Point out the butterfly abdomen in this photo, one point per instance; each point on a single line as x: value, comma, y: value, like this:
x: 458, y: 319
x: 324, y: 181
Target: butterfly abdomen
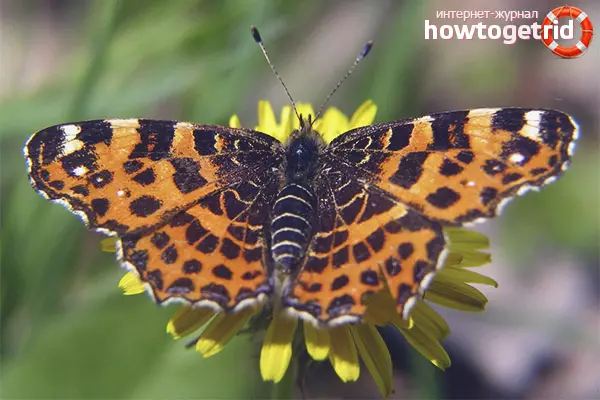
x: 292, y: 223
x: 294, y: 208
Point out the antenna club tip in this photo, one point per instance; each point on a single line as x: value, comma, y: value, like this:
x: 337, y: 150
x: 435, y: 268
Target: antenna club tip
x: 255, y: 34
x: 366, y: 49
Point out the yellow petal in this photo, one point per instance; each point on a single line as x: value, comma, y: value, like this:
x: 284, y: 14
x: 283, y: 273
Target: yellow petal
x: 452, y: 259
x: 109, y: 245
x: 375, y: 355
x: 364, y: 115
x: 458, y: 274
x: 276, y: 351
x: 234, y: 122
x: 187, y: 319
x: 381, y: 310
x: 466, y: 239
x: 130, y: 284
x: 286, y: 125
x: 428, y: 346
x: 457, y: 296
x: 472, y: 259
x: 221, y: 329
x: 343, y: 355
x: 266, y: 118
x: 429, y: 320
x: 317, y: 341
x: 331, y: 124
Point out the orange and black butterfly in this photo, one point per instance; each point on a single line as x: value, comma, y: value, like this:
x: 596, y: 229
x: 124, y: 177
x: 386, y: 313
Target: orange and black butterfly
x: 218, y: 217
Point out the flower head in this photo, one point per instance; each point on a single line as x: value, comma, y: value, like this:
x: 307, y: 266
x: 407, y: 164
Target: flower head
x: 342, y: 345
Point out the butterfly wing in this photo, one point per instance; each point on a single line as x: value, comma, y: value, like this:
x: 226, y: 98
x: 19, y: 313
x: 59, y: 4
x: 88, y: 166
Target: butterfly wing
x: 364, y: 241
x: 460, y: 166
x: 125, y: 176
x: 189, y: 202
x: 385, y: 190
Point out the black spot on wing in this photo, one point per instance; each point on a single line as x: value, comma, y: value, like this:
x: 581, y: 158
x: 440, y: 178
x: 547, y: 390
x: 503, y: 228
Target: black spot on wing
x: 94, y: 132
x: 58, y: 185
x: 340, y: 305
x: 553, y: 126
x: 223, y: 272
x: 448, y: 131
x: 181, y: 286
x: 450, y: 168
x: 465, y: 156
x: 393, y: 266
x: 194, y: 232
x: 156, y: 138
x: 100, y: 206
x: 192, y: 266
x: 405, y: 250
x: 160, y: 239
x: 144, y: 206
x: 369, y: 278
x: 170, y: 254
x: 229, y: 249
x: 409, y: 170
x: 400, y: 137
x: 204, y: 141
x: 101, y: 179
x: 443, y: 197
x: 187, y: 175
x: 509, y: 119
x: 208, y: 244
x: 488, y: 194
x: 155, y: 279
x: 340, y: 282
x: 146, y: 177
x: 132, y: 166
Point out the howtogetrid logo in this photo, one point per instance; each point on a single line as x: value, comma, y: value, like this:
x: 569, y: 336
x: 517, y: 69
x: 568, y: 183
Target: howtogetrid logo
x: 547, y: 32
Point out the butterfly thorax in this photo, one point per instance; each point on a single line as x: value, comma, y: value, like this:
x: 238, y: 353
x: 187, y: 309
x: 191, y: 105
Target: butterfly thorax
x: 293, y: 212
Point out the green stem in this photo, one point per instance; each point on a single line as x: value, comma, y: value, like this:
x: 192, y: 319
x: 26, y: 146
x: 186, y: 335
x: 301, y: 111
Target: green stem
x: 104, y: 23
x: 285, y: 388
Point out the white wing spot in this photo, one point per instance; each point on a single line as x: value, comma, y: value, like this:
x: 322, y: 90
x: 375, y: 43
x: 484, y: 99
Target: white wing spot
x: 517, y: 158
x: 524, y: 189
x: 502, y: 204
x: 531, y: 129
x: 70, y: 131
x: 80, y: 170
x: 571, y: 148
x: 70, y: 142
x: 482, y: 112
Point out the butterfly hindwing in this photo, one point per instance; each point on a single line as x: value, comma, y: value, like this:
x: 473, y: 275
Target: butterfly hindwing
x: 128, y: 175
x: 364, y: 241
x: 460, y: 166
x: 213, y: 252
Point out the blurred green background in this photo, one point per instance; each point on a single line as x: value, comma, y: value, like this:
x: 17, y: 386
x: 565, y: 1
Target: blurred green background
x: 66, y: 330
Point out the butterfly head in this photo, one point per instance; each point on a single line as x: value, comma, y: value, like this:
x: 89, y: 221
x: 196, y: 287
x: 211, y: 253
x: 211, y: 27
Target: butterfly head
x: 302, y: 151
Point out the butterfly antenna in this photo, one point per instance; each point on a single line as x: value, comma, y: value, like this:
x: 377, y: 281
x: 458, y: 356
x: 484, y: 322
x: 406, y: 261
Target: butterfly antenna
x: 360, y: 57
x: 258, y: 40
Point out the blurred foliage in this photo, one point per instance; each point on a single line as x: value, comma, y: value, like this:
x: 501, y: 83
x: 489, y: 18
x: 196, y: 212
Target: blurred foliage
x: 66, y: 332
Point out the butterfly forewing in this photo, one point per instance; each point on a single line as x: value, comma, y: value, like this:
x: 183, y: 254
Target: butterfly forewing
x: 460, y: 166
x: 129, y: 175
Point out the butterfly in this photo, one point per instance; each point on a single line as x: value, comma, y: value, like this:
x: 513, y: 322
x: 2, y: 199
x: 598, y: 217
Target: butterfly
x: 226, y: 218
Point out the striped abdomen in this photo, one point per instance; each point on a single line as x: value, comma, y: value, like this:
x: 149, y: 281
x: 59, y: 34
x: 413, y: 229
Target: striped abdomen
x: 291, y: 224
